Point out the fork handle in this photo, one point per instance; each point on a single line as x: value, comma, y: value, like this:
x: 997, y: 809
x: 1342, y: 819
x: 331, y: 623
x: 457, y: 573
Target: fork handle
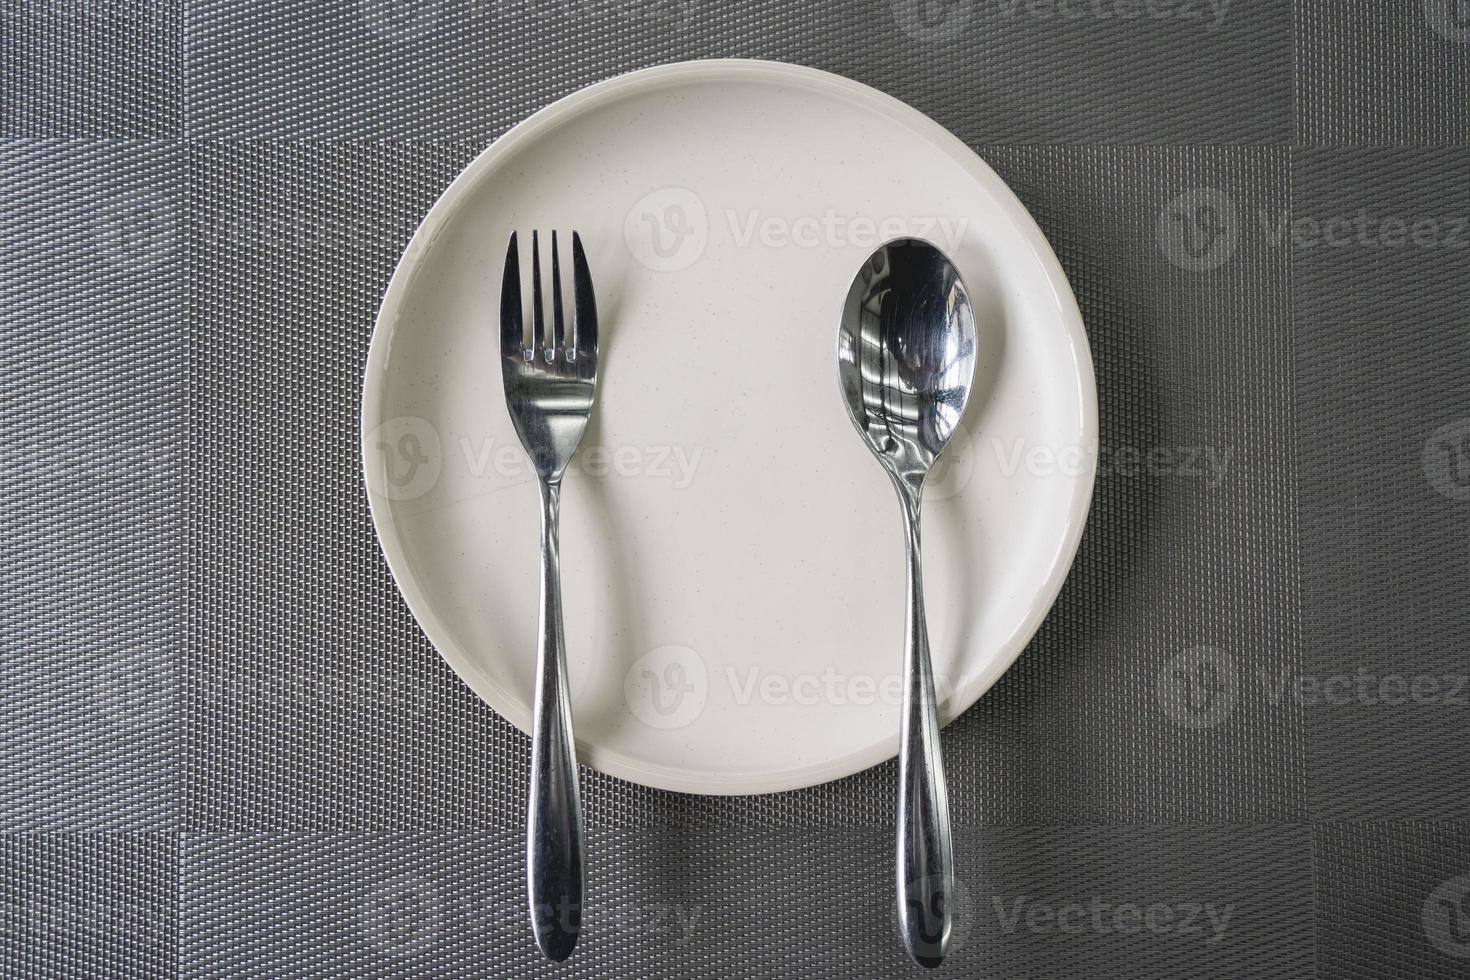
x: 925, y: 858
x: 554, y: 846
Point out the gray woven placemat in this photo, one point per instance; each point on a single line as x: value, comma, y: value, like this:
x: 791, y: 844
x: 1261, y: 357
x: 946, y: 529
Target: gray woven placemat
x: 1236, y: 748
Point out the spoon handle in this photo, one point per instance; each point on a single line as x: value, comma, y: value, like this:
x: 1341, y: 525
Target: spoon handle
x: 554, y: 847
x: 925, y: 858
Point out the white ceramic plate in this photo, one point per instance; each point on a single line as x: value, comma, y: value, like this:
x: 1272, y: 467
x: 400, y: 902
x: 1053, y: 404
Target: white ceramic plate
x: 732, y: 557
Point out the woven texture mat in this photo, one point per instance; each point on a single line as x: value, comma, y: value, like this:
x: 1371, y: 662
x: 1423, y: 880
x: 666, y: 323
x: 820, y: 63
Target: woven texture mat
x: 1237, y: 747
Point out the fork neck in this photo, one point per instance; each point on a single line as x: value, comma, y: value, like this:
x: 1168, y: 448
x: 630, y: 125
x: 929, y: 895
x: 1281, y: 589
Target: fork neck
x: 550, y: 502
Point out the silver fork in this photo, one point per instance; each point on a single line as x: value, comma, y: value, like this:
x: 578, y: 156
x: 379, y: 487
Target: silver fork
x: 550, y: 386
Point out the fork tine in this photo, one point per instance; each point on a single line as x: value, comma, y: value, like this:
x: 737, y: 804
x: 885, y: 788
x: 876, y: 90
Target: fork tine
x: 586, y: 310
x: 511, y: 330
x: 538, y: 320
x: 558, y: 322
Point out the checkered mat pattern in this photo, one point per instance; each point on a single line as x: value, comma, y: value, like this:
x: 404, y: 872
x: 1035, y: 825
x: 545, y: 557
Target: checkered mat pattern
x: 1237, y: 747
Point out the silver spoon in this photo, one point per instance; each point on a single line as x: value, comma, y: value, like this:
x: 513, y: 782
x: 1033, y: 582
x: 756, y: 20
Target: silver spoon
x: 906, y: 359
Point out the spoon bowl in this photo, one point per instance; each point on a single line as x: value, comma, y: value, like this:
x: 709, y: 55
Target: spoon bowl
x: 906, y: 354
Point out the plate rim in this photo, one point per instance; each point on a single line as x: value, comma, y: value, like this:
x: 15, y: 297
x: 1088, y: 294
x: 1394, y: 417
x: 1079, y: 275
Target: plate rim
x: 487, y: 688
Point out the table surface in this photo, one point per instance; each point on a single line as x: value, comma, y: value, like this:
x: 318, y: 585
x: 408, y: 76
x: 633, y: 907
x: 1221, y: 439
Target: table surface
x: 1236, y: 748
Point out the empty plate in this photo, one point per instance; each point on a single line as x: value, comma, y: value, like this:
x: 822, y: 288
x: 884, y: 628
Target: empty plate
x: 734, y: 601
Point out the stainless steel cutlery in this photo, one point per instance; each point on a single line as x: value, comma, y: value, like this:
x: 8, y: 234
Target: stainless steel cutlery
x: 550, y: 375
x: 906, y: 361
x: 906, y: 357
